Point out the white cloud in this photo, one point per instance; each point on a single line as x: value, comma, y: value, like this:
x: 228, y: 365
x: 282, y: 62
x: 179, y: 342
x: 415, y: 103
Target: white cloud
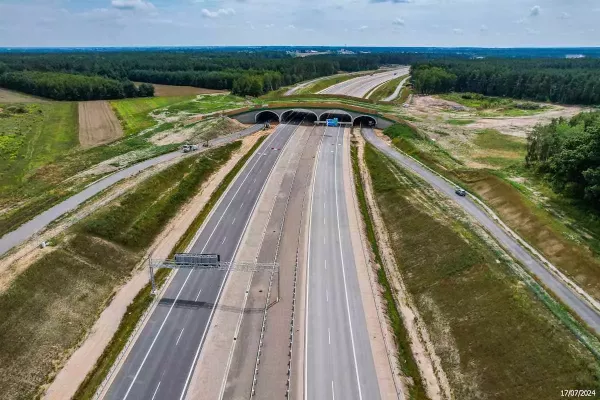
x: 362, y: 28
x: 132, y: 5
x: 398, y: 22
x: 290, y: 26
x: 216, y: 14
x: 457, y: 31
x: 565, y: 15
x: 531, y: 31
x: 483, y: 28
x: 535, y: 11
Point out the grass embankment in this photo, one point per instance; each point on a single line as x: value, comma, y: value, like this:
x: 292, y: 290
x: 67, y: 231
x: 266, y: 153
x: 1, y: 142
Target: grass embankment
x: 48, y: 309
x: 387, y: 89
x: 207, y: 104
x: 404, y: 356
x: 494, y: 337
x: 134, y: 114
x: 565, y: 232
x: 488, y: 106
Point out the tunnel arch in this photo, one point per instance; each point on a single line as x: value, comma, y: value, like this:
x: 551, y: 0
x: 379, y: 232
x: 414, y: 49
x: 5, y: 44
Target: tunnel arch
x: 365, y: 120
x: 310, y: 116
x: 266, y: 116
x: 341, y: 115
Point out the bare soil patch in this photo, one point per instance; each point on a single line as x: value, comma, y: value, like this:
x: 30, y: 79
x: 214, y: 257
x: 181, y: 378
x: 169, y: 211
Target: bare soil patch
x: 97, y: 124
x: 9, y: 96
x: 171, y: 90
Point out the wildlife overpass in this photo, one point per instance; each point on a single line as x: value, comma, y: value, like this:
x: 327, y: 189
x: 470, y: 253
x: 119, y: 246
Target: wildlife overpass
x: 311, y: 115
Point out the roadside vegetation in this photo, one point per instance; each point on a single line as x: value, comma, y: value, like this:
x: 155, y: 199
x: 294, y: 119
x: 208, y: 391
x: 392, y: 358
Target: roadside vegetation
x: 42, y: 321
x: 134, y: 114
x: 487, y: 106
x: 387, y: 89
x: 491, y: 165
x: 404, y: 357
x: 465, y: 288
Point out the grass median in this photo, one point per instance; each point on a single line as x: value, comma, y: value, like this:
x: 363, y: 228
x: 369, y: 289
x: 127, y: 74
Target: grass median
x: 404, y: 356
x: 47, y: 310
x: 494, y: 336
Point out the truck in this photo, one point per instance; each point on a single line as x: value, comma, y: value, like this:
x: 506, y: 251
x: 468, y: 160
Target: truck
x: 186, y: 148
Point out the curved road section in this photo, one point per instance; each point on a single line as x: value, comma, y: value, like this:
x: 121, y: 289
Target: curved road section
x: 582, y: 308
x: 160, y: 363
x: 338, y: 359
x: 361, y: 86
x: 35, y: 225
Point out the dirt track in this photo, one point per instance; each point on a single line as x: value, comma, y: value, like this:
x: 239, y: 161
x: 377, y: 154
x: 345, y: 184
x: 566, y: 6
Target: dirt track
x: 97, y: 124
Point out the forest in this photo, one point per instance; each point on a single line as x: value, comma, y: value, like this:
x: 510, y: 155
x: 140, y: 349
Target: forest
x: 59, y: 86
x: 566, y: 81
x: 245, y: 73
x: 567, y: 152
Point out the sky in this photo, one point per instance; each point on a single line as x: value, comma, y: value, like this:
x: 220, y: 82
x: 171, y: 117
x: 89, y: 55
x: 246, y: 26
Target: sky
x: 443, y: 23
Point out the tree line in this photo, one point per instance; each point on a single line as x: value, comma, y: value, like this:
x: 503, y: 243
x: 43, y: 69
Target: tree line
x: 555, y: 80
x: 245, y: 73
x: 71, y: 87
x: 567, y: 152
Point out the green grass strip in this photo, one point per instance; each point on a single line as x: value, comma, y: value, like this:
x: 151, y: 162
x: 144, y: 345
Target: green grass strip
x: 405, y: 357
x: 185, y: 240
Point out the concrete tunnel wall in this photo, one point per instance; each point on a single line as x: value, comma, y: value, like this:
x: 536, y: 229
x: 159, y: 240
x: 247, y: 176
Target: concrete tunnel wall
x: 250, y: 117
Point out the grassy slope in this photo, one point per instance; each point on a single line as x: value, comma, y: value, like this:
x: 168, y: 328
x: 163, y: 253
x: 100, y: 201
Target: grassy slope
x: 208, y: 104
x: 49, y: 307
x: 387, y: 89
x: 495, y: 106
x: 495, y: 339
x: 567, y: 234
x: 134, y: 113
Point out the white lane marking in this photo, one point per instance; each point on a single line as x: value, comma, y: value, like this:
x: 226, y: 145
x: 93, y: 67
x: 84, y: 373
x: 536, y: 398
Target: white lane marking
x: 327, y: 295
x: 181, y: 333
x: 224, y: 240
x: 332, y: 391
x: 187, y: 381
x: 308, y: 270
x: 337, y: 212
x: 155, y: 391
x: 324, y: 223
x: 198, y: 295
x: 323, y: 239
x: 325, y: 264
x: 233, y: 221
x: 254, y: 181
x: 242, y: 205
x: 329, y: 334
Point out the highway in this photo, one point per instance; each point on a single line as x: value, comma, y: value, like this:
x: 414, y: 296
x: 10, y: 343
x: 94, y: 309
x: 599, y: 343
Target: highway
x: 161, y: 361
x: 561, y: 290
x: 38, y: 223
x: 361, y: 86
x: 338, y: 361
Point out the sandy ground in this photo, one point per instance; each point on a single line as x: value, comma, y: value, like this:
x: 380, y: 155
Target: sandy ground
x: 435, y: 380
x: 98, y: 124
x: 384, y: 353
x: 210, y: 128
x: 8, y: 96
x: 171, y: 90
x: 83, y: 359
x: 432, y: 109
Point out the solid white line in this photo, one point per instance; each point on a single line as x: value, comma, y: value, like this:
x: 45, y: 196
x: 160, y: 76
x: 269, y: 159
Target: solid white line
x: 308, y: 270
x: 155, y: 391
x: 271, y: 138
x: 332, y: 391
x: 181, y: 333
x: 198, y: 295
x: 227, y: 272
x: 337, y: 211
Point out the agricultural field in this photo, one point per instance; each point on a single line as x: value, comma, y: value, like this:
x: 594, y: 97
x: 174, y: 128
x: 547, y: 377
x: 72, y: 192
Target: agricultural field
x: 134, y: 114
x: 42, y: 322
x: 175, y: 91
x: 465, y: 287
x: 97, y: 124
x: 9, y: 96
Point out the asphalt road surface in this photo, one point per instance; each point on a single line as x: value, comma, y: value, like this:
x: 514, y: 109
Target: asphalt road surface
x: 582, y: 308
x: 161, y: 362
x: 361, y: 86
x: 35, y: 225
x: 338, y: 359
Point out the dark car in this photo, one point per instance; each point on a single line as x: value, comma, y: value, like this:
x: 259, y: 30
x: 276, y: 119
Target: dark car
x: 460, y: 192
